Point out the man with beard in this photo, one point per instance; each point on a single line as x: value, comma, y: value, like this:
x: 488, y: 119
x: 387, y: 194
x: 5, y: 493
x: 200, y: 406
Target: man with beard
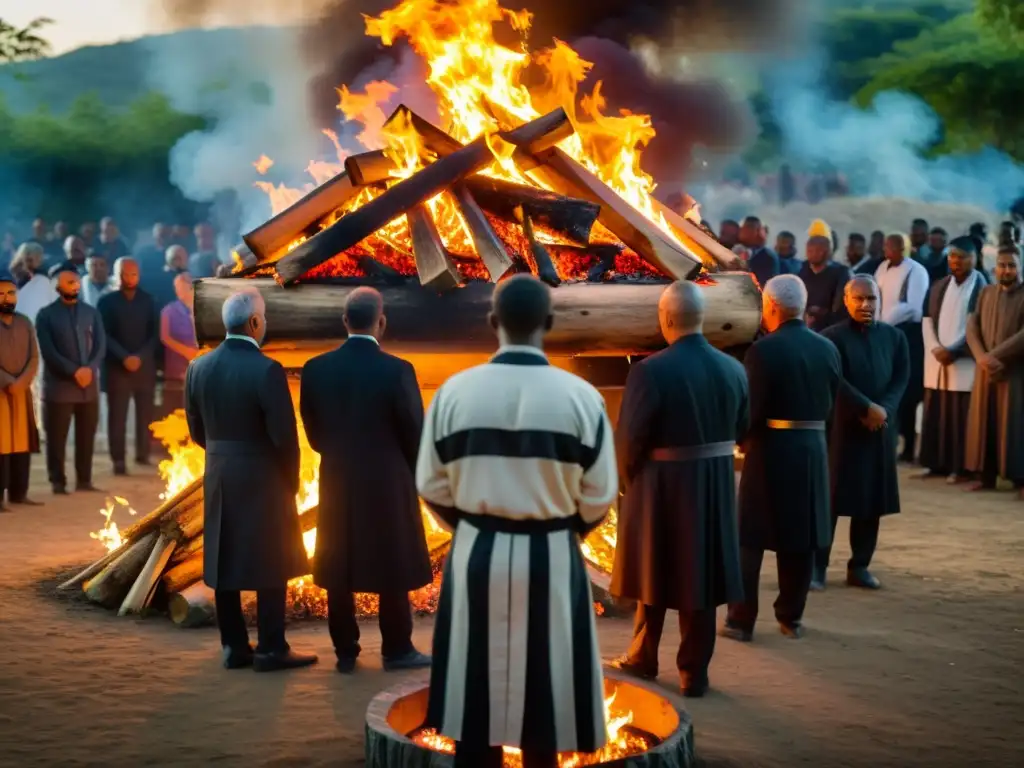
x: 363, y: 414
x: 762, y: 260
x: 857, y: 256
x: 72, y: 344
x: 794, y: 375
x: 239, y: 410
x: 682, y: 413
x: 517, y: 459
x: 729, y: 233
x: 862, y: 444
x: 948, y: 364
x: 995, y: 333
x: 785, y: 248
x: 130, y: 321
x: 824, y: 279
x: 903, y: 286
x: 19, y: 361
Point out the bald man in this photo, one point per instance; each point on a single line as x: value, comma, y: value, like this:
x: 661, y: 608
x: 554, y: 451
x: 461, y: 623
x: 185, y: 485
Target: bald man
x: 130, y: 320
x: 363, y: 414
x: 683, y: 411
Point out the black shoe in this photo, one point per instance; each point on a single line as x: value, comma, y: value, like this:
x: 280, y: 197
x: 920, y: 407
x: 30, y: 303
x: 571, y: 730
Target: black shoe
x: 861, y: 577
x: 237, y: 658
x: 792, y: 631
x: 734, y: 632
x: 411, y: 660
x: 143, y: 463
x: 273, y: 662
x: 59, y: 490
x: 27, y: 502
x: 693, y: 688
x: 346, y: 665
x: 87, y: 488
x: 120, y: 470
x: 633, y: 669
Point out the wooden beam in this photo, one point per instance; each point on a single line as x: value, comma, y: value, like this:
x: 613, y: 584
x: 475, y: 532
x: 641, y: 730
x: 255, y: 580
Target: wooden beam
x: 545, y: 267
x: 370, y: 168
x: 433, y: 265
x: 489, y: 247
x: 570, y: 217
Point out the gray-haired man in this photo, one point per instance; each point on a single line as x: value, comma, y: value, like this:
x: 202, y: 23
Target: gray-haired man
x: 794, y: 375
x: 240, y: 410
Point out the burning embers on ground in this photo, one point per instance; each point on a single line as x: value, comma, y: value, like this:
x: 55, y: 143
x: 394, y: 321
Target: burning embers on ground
x: 526, y: 175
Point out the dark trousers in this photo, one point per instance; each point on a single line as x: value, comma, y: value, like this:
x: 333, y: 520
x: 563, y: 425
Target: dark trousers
x: 908, y: 427
x: 121, y: 390
x: 14, y: 475
x: 467, y: 756
x: 794, y: 570
x: 394, y: 618
x: 270, y: 610
x: 863, y: 540
x: 57, y: 423
x: 696, y: 646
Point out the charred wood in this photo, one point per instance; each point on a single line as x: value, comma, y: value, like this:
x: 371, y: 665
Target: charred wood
x: 488, y: 245
x: 433, y: 265
x: 545, y: 267
x: 569, y: 217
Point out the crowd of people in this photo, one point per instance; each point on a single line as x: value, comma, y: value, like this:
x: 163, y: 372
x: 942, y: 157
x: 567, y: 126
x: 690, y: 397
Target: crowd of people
x: 81, y: 316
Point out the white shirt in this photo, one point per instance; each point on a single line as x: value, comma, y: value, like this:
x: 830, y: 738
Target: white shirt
x: 364, y: 336
x: 890, y: 283
x: 34, y: 295
x: 242, y: 336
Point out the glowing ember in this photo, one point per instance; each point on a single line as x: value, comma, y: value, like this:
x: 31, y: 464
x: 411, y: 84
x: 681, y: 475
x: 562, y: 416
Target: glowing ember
x: 622, y: 742
x: 479, y: 88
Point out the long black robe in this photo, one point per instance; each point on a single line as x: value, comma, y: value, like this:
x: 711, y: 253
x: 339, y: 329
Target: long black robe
x: 944, y: 423
x: 240, y: 410
x: 794, y: 375
x: 862, y: 462
x: 825, y: 291
x: 678, y: 545
x: 363, y: 414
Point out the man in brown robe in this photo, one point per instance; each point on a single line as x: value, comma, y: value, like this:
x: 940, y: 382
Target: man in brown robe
x: 19, y: 361
x: 995, y: 334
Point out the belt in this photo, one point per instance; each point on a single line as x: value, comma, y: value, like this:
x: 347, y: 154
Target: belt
x: 693, y: 452
x: 815, y: 426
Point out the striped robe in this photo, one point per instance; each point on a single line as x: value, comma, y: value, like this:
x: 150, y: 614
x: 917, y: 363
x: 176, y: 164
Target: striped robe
x: 517, y: 458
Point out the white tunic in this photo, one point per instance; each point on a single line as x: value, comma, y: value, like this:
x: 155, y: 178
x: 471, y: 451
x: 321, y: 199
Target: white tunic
x: 903, y: 290
x: 950, y: 330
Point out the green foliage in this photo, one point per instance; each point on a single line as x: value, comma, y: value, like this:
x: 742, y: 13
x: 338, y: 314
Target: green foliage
x: 24, y: 43
x: 1004, y: 17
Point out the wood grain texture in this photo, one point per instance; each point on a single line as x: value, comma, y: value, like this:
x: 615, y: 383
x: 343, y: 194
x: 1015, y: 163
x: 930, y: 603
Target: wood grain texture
x: 489, y: 247
x: 433, y: 264
x: 569, y: 217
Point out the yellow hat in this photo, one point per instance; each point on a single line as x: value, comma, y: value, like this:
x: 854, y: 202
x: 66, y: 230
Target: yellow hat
x: 819, y: 229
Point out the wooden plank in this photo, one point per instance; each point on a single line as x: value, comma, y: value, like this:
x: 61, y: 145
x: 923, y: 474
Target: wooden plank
x: 489, y: 247
x: 433, y: 264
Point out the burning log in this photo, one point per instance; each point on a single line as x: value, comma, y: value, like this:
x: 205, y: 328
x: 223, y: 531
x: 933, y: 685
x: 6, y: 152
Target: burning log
x: 695, y: 237
x: 607, y: 319
x: 303, y: 217
x: 545, y: 267
x: 416, y: 189
x: 142, y: 591
x: 193, y: 607
x: 561, y: 172
x: 114, y: 581
x: 188, y: 523
x: 185, y: 550
x: 369, y: 168
x: 437, y: 141
x: 184, y: 573
x: 433, y: 264
x: 489, y: 246
x: 569, y: 217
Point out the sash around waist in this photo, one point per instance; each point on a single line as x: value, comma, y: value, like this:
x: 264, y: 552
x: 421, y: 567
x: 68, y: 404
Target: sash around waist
x: 238, y: 448
x: 815, y: 426
x: 497, y: 524
x: 693, y: 452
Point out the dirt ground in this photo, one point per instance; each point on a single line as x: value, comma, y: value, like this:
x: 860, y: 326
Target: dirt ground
x: 927, y: 672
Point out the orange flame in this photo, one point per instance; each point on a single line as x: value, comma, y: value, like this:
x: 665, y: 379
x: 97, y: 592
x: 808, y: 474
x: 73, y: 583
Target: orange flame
x: 263, y: 165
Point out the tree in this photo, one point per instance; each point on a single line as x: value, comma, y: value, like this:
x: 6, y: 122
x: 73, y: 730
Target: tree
x: 25, y: 43
x: 1005, y: 17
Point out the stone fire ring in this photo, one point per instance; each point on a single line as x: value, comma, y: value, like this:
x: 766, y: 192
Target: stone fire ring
x: 400, y: 710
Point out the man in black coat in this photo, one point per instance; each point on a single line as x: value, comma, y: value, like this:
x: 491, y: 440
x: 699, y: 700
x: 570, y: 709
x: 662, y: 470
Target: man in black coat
x: 862, y: 438
x: 794, y: 375
x: 240, y: 411
x: 130, y: 321
x: 682, y: 413
x: 363, y: 414
x: 72, y: 344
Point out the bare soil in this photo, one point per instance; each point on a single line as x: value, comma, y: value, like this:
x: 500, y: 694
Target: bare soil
x: 927, y: 672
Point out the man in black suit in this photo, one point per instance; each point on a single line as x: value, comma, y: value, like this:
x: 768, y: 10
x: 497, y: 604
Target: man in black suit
x: 682, y: 413
x: 130, y: 321
x: 794, y: 375
x: 363, y: 414
x: 240, y: 411
x: 72, y: 344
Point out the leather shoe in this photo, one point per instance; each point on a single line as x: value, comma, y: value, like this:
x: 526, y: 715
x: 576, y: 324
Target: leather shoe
x: 87, y: 488
x: 237, y: 658
x: 861, y: 577
x: 792, y: 631
x: 633, y: 669
x: 278, y: 660
x: 694, y: 688
x: 27, y: 502
x: 737, y: 633
x: 120, y: 470
x: 346, y: 665
x: 59, y: 490
x: 411, y: 660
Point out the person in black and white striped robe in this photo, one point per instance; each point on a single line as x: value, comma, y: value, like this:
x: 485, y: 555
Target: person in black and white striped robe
x: 517, y: 459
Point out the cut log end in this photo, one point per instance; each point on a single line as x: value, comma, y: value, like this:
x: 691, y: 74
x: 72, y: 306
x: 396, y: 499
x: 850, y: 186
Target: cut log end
x: 193, y: 607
